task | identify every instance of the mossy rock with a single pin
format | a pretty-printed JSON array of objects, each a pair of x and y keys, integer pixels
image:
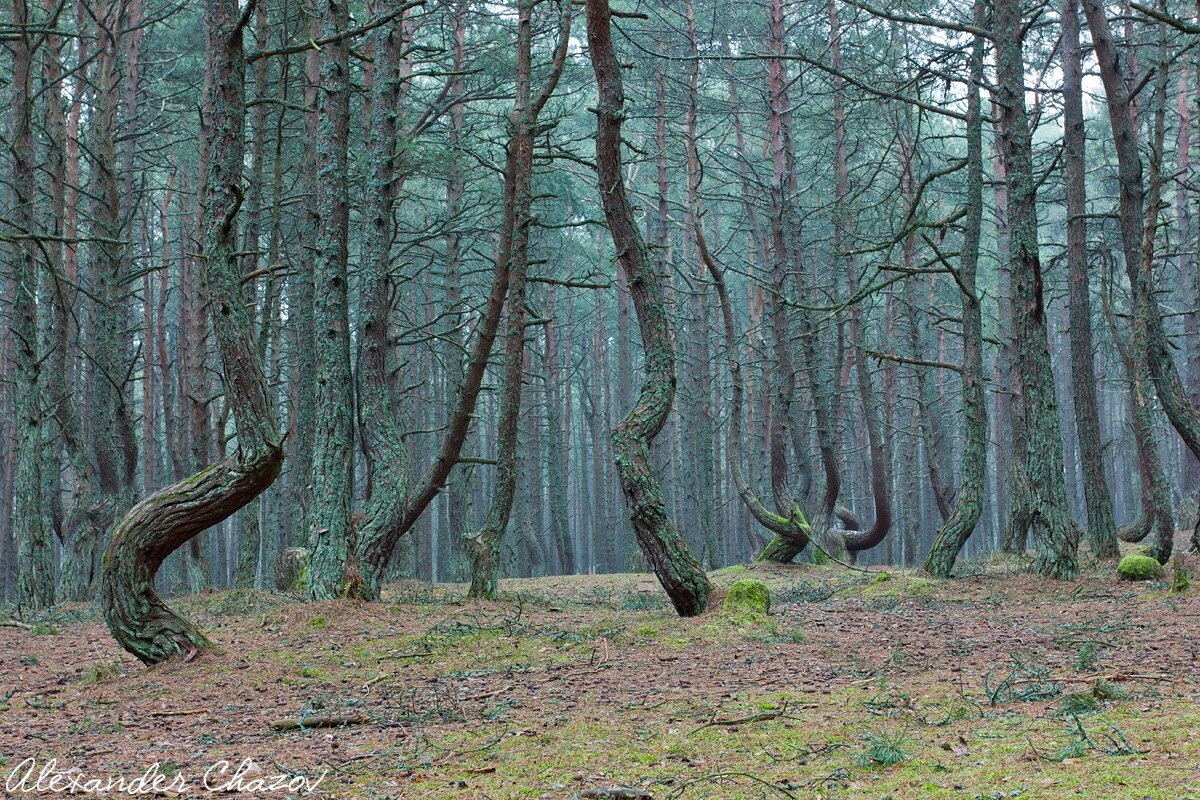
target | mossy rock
[
  {"x": 1136, "y": 567},
  {"x": 747, "y": 597},
  {"x": 291, "y": 570}
]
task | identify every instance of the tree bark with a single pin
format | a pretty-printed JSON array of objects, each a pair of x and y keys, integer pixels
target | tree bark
[
  {"x": 159, "y": 524},
  {"x": 968, "y": 505},
  {"x": 1137, "y": 223},
  {"x": 1102, "y": 528},
  {"x": 483, "y": 545},
  {"x": 332, "y": 529},
  {"x": 665, "y": 549},
  {"x": 31, "y": 524},
  {"x": 1055, "y": 535}
]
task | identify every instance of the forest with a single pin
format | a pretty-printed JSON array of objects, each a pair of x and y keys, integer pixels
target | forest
[{"x": 802, "y": 396}]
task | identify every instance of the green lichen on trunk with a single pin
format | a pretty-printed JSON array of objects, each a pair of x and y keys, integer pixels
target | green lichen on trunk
[
  {"x": 331, "y": 529},
  {"x": 1040, "y": 483},
  {"x": 664, "y": 548},
  {"x": 960, "y": 524},
  {"x": 164, "y": 521}
]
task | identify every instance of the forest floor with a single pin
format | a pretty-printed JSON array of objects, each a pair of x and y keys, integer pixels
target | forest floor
[{"x": 858, "y": 685}]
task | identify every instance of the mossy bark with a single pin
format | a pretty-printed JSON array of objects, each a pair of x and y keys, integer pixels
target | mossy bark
[
  {"x": 1138, "y": 224},
  {"x": 31, "y": 519},
  {"x": 961, "y": 522},
  {"x": 665, "y": 549},
  {"x": 1045, "y": 508},
  {"x": 332, "y": 500},
  {"x": 165, "y": 520}
]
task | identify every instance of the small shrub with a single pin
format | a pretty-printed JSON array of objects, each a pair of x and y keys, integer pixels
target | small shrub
[
  {"x": 1078, "y": 704},
  {"x": 1180, "y": 582},
  {"x": 99, "y": 673},
  {"x": 1135, "y": 567},
  {"x": 1107, "y": 690},
  {"x": 1088, "y": 658},
  {"x": 883, "y": 750}
]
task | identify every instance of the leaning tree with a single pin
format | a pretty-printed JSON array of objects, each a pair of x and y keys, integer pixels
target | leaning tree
[
  {"x": 666, "y": 550},
  {"x": 158, "y": 525}
]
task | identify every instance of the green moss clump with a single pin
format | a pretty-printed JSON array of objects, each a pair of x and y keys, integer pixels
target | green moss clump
[
  {"x": 1139, "y": 568},
  {"x": 747, "y": 597}
]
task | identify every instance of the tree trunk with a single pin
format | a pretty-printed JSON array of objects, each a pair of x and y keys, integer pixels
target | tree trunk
[
  {"x": 1137, "y": 223},
  {"x": 31, "y": 523},
  {"x": 483, "y": 546},
  {"x": 1055, "y": 535},
  {"x": 968, "y": 505},
  {"x": 156, "y": 526},
  {"x": 1102, "y": 528},
  {"x": 677, "y": 569},
  {"x": 332, "y": 530}
]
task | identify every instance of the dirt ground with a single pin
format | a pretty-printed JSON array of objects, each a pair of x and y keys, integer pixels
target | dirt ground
[{"x": 858, "y": 685}]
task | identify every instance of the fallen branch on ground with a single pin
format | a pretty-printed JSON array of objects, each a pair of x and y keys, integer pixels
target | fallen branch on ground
[{"x": 306, "y": 723}]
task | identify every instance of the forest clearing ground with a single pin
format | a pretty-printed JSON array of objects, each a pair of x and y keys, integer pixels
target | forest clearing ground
[{"x": 858, "y": 685}]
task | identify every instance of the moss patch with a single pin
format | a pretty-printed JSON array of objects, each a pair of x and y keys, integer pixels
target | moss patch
[
  {"x": 747, "y": 596},
  {"x": 1136, "y": 567}
]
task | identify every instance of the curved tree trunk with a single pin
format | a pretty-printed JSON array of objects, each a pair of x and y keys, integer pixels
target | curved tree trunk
[
  {"x": 483, "y": 546},
  {"x": 382, "y": 438},
  {"x": 394, "y": 509},
  {"x": 1137, "y": 224},
  {"x": 959, "y": 526},
  {"x": 156, "y": 526},
  {"x": 857, "y": 540},
  {"x": 677, "y": 569},
  {"x": 791, "y": 528}
]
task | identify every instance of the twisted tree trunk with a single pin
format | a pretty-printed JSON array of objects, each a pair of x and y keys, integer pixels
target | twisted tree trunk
[
  {"x": 162, "y": 522},
  {"x": 677, "y": 569}
]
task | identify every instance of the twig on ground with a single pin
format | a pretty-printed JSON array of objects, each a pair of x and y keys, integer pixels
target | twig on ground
[{"x": 306, "y": 723}]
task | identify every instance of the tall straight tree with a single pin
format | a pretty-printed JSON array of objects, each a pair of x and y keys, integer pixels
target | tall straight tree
[
  {"x": 665, "y": 549},
  {"x": 1101, "y": 527},
  {"x": 161, "y": 523},
  {"x": 332, "y": 497},
  {"x": 968, "y": 505},
  {"x": 31, "y": 522},
  {"x": 1040, "y": 470}
]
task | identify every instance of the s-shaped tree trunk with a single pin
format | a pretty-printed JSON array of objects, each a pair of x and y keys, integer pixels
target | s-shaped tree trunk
[
  {"x": 165, "y": 520},
  {"x": 666, "y": 550}
]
